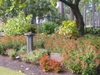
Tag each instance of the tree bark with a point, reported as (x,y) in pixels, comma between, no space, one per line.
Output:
(79,20)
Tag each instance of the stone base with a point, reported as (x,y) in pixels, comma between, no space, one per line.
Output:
(56,56)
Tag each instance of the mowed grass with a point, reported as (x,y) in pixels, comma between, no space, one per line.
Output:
(7,71)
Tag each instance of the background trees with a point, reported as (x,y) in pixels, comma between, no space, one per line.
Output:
(74,5)
(40,8)
(43,8)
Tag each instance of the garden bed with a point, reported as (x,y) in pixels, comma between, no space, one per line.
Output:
(27,68)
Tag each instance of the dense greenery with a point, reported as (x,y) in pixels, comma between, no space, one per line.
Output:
(68,28)
(41,8)
(19,25)
(94,39)
(34,57)
(11,42)
(80,55)
(47,27)
(78,58)
(92,30)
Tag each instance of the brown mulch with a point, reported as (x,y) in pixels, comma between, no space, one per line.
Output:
(32,69)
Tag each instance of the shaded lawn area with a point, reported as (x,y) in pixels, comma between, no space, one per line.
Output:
(7,71)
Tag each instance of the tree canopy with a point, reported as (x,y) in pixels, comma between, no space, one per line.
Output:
(35,7)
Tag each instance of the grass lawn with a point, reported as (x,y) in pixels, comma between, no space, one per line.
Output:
(6,71)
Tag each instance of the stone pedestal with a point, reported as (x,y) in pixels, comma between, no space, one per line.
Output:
(29,41)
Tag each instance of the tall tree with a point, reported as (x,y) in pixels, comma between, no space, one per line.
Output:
(93,14)
(74,5)
(85,13)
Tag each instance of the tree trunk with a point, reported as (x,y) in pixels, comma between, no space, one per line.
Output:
(99,19)
(61,10)
(33,21)
(71,15)
(85,14)
(79,20)
(93,14)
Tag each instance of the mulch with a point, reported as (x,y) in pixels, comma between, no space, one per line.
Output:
(27,68)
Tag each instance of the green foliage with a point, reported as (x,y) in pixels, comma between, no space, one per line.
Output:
(19,25)
(94,39)
(1,48)
(39,41)
(12,42)
(22,50)
(92,30)
(9,45)
(17,45)
(79,53)
(1,29)
(79,58)
(12,53)
(47,27)
(34,57)
(68,28)
(9,8)
(55,42)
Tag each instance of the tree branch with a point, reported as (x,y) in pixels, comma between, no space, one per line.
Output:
(66,2)
(77,2)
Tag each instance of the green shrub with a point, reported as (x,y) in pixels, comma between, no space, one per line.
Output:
(19,25)
(1,48)
(31,28)
(12,53)
(39,41)
(12,42)
(79,58)
(1,26)
(9,45)
(47,27)
(92,30)
(94,39)
(1,29)
(68,28)
(34,57)
(55,42)
(22,50)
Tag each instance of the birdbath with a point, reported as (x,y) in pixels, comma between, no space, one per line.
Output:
(29,41)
